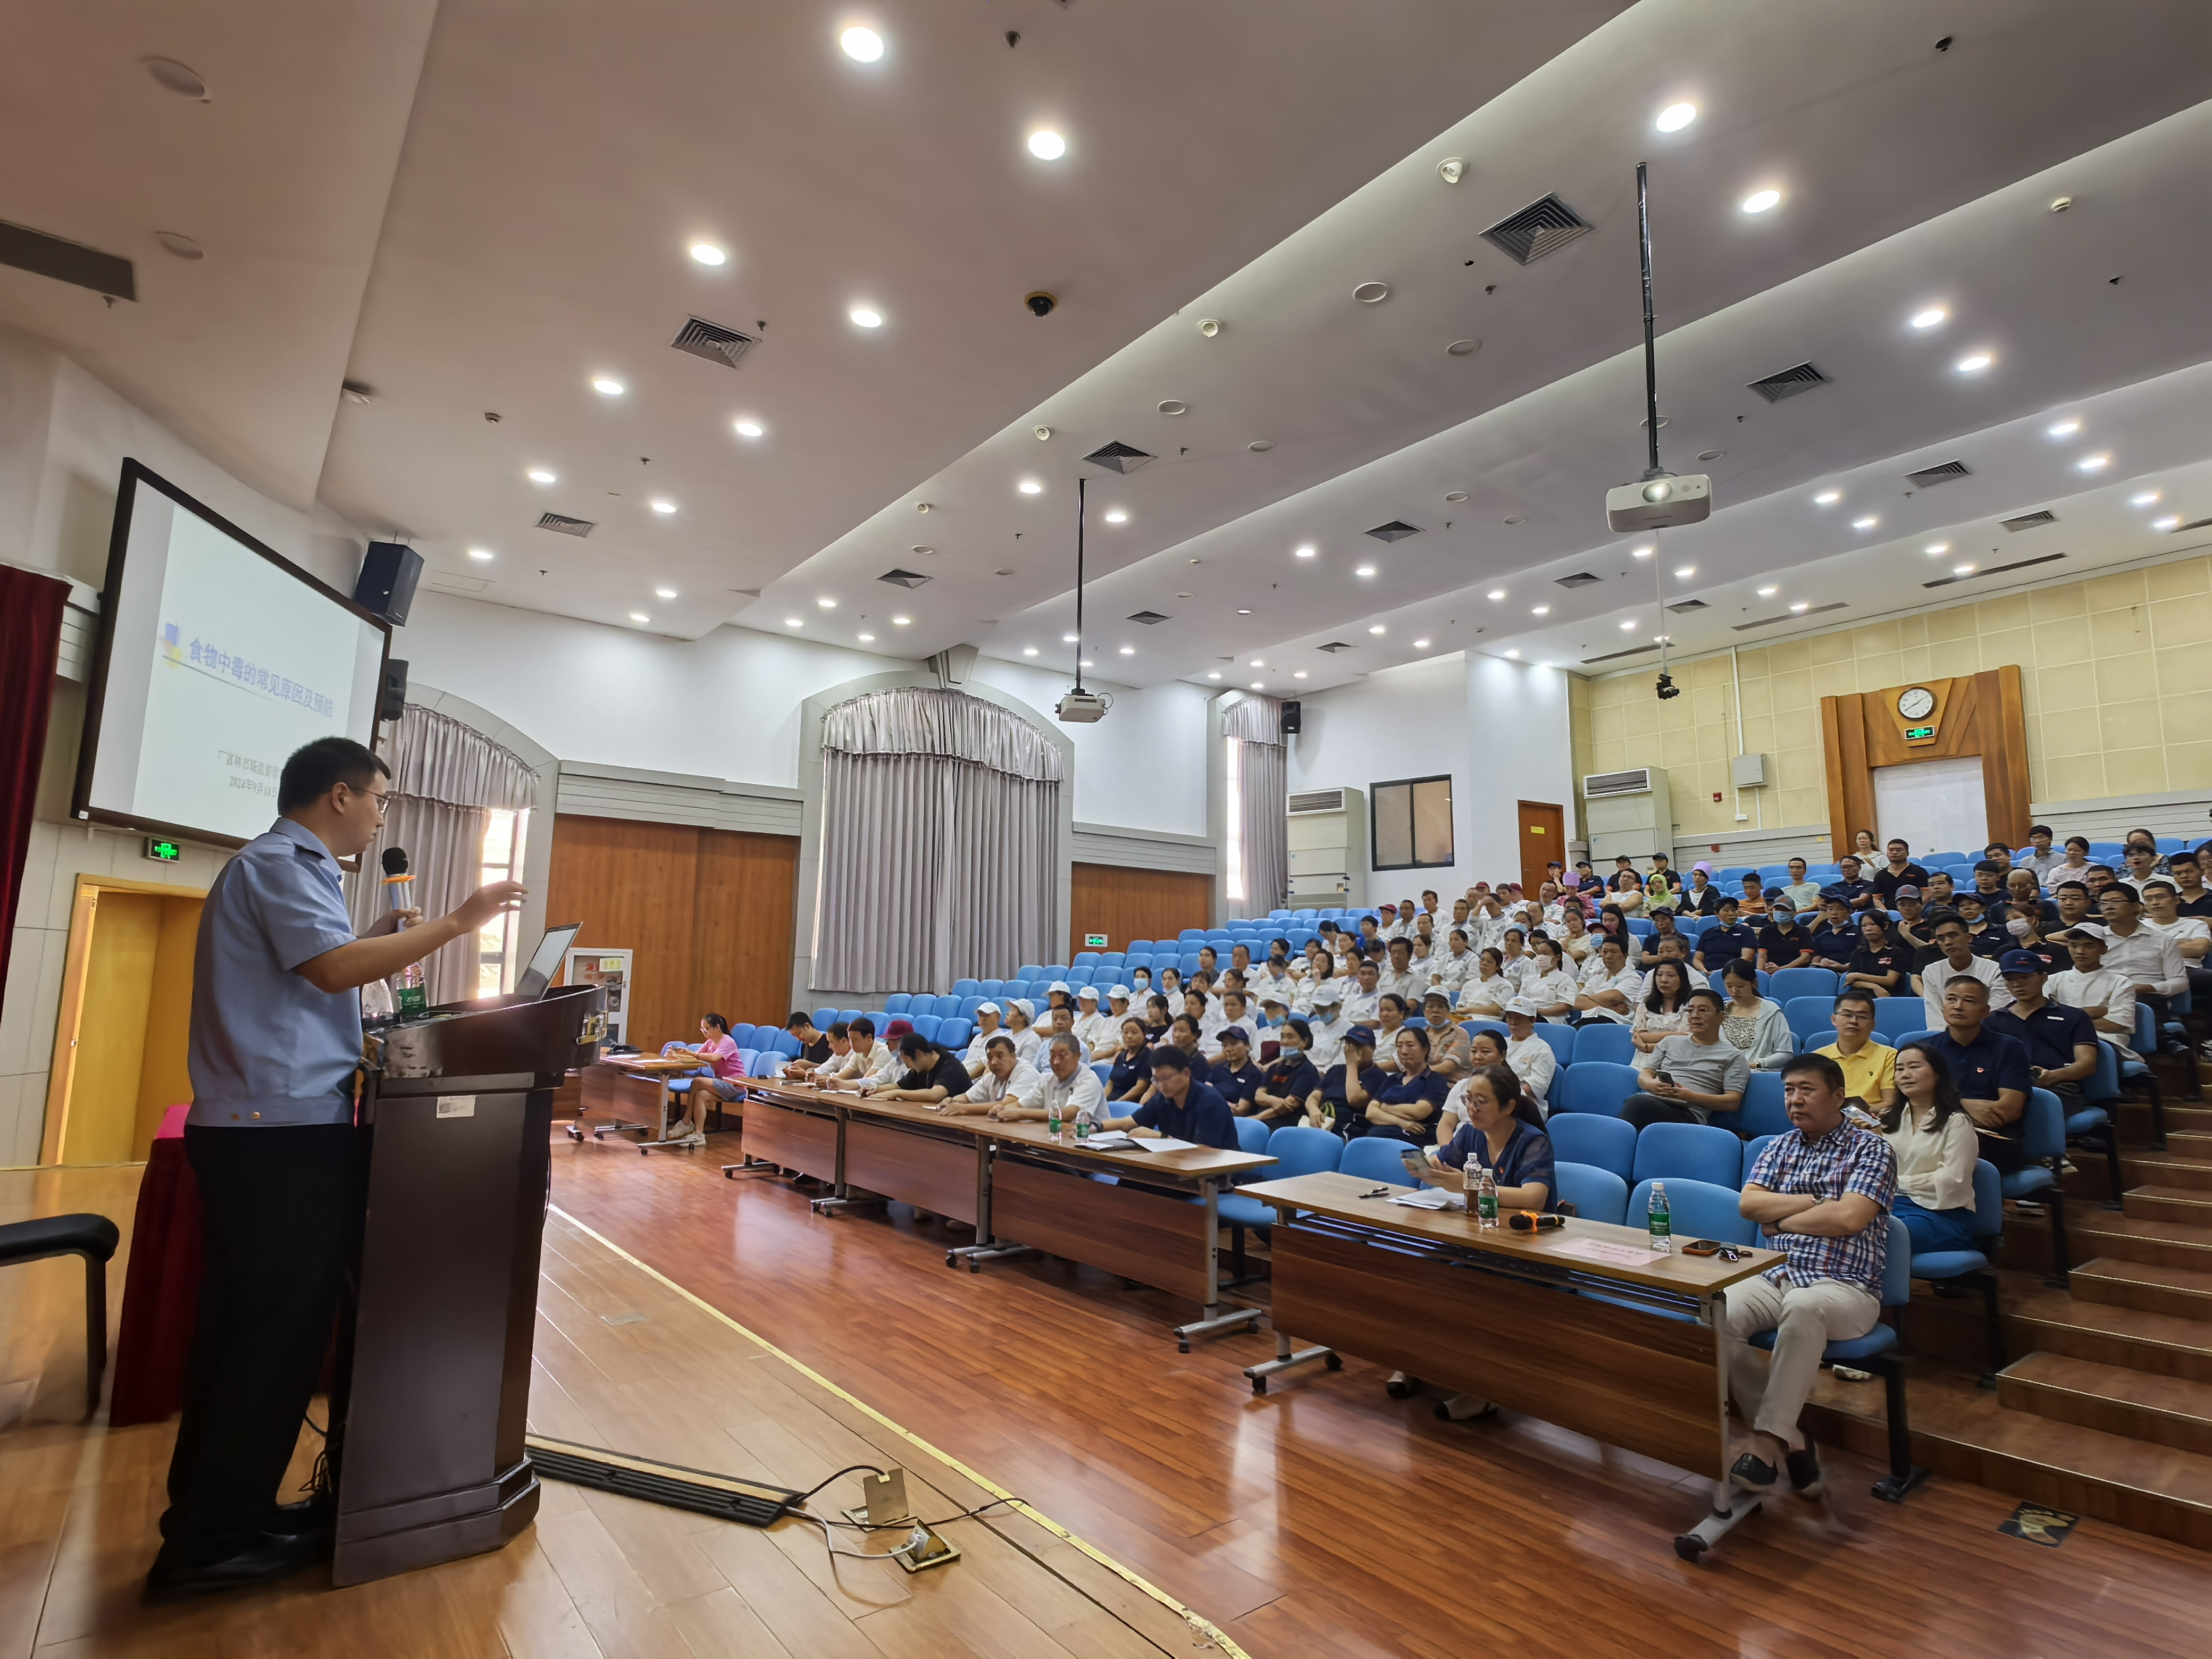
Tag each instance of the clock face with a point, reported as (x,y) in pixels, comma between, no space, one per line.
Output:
(1917,703)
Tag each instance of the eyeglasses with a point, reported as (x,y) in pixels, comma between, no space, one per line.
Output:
(382,798)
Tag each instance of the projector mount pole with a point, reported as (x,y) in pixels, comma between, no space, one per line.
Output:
(1650,392)
(1079,483)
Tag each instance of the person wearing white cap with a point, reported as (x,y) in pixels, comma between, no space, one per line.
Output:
(1059,994)
(1328,1023)
(1021,1015)
(1532,1059)
(987,1027)
(1091,1028)
(1117,998)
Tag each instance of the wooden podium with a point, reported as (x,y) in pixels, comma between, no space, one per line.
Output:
(431,1464)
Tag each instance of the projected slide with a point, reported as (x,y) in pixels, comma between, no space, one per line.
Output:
(221,662)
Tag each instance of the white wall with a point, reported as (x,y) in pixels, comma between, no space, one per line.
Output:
(1499,729)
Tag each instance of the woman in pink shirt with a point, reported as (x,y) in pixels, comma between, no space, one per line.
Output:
(723,1065)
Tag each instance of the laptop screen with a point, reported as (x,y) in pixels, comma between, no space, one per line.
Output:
(545,961)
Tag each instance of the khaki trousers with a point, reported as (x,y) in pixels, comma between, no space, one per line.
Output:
(1769,1390)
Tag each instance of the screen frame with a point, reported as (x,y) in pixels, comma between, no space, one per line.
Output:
(135,472)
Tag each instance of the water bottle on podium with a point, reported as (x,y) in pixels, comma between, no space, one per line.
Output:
(1661,1219)
(1485,1201)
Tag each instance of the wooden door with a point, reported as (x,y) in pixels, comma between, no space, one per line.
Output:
(1543,841)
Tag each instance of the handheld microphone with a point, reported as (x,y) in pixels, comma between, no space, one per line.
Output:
(396,875)
(1524,1222)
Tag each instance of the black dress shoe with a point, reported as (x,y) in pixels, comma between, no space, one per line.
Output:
(269,1557)
(1804,1468)
(315,1514)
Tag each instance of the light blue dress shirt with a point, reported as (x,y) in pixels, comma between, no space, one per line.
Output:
(267,1047)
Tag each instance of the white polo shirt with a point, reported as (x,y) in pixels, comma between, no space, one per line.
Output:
(1940,973)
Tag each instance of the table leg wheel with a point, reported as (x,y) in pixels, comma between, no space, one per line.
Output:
(1182,1347)
(1691,1547)
(1334,1361)
(1402,1388)
(1258,1385)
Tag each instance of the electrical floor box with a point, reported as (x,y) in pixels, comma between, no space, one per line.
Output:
(1328,844)
(1630,811)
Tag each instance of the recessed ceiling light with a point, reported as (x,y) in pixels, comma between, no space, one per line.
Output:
(1685,571)
(480,553)
(1629,627)
(1936,549)
(1496,592)
(1676,117)
(861,45)
(1030,487)
(1214,677)
(1932,318)
(1513,652)
(638,616)
(2144,499)
(1364,570)
(608,388)
(864,317)
(901,622)
(664,508)
(1768,593)
(1128,650)
(1244,613)
(2172,521)
(1300,675)
(827,603)
(1828,498)
(1086,662)
(1255,663)
(1068,639)
(1305,552)
(540,475)
(1801,604)
(1641,552)
(1117,516)
(867,639)
(1974,364)
(1541,610)
(1046,145)
(1760,200)
(708,254)
(1028,651)
(793,622)
(749,428)
(1259,685)
(2092,462)
(1420,645)
(1378,629)
(1867,523)
(666,593)
(2065,428)
(1962,570)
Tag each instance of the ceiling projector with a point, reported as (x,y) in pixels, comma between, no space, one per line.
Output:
(1656,503)
(1082,708)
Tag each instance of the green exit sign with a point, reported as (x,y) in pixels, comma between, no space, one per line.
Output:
(1094,941)
(163,852)
(1915,733)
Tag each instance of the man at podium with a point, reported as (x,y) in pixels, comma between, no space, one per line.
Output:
(275,1043)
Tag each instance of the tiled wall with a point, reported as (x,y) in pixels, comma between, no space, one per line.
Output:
(2116,674)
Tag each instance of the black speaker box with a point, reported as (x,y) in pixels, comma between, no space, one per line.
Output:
(394,700)
(389,571)
(1293,717)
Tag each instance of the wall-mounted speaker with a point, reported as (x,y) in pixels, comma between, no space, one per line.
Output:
(393,702)
(389,571)
(1293,717)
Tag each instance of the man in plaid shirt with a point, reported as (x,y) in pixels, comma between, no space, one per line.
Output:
(1821,1196)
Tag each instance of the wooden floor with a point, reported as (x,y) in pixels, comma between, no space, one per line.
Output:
(595,1574)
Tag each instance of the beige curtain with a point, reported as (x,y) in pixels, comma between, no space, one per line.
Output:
(447,779)
(940,842)
(1254,727)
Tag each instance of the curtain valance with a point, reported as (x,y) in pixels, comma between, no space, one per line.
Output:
(1254,719)
(952,725)
(434,758)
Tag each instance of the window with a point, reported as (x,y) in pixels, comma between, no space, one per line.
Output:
(1413,823)
(502,861)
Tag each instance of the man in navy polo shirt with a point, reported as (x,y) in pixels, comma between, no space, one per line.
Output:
(1726,939)
(2061,1042)
(1837,939)
(1180,1108)
(1855,894)
(1990,1069)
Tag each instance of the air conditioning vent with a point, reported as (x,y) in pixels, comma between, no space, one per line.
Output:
(1792,616)
(902,578)
(565,526)
(1615,656)
(1580,578)
(717,345)
(1603,785)
(1993,570)
(1122,458)
(1317,800)
(1335,646)
(1543,227)
(1683,607)
(1942,473)
(1150,618)
(1789,383)
(2031,520)
(1397,530)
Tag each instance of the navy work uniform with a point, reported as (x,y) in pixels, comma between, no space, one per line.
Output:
(280,1165)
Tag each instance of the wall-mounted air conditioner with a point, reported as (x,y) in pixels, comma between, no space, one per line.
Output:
(1630,811)
(1328,841)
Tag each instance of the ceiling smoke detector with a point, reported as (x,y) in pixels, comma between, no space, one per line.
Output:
(1452,169)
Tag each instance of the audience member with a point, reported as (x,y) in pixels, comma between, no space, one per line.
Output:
(1532,1060)
(1955,960)
(2192,935)
(1899,871)
(1857,893)
(1798,893)
(1662,1011)
(720,1076)
(1837,939)
(1021,1017)
(1289,1081)
(1092,1027)
(1131,1076)
(2061,1042)
(2149,961)
(1502,1132)
(2025,925)
(1692,1076)
(1609,989)
(2074,910)
(1990,1070)
(2073,865)
(1728,939)
(1547,986)
(1234,1074)
(1869,1066)
(1783,943)
(1328,1026)
(1005,1076)
(2101,993)
(1864,850)
(1910,927)
(1407,1109)
(813,1047)
(1447,1050)
(930,1076)
(977,1056)
(1348,1086)
(1399,978)
(2189,869)
(2040,860)
(1157,1017)
(1821,1195)
(1360,1003)
(1882,965)
(866,1060)
(1935,1146)
(1066,1086)
(1753,1020)
(1700,898)
(1182,1106)
(1390,1014)
(1985,933)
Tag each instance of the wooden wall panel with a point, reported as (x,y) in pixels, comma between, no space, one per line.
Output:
(1980,714)
(708,912)
(1124,905)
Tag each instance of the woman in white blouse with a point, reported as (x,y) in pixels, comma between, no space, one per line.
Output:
(1661,1014)
(1935,1146)
(1753,1022)
(1548,985)
(1487,991)
(1575,941)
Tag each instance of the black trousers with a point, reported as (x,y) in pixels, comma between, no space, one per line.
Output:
(282,1211)
(1643,1110)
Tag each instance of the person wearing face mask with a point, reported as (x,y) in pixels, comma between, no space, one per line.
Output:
(2023,922)
(1288,1081)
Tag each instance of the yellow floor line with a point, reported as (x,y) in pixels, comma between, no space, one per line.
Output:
(1197,1622)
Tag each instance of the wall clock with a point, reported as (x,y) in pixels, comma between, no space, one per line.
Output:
(1917,702)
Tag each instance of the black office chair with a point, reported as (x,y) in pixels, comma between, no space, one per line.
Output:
(94,1237)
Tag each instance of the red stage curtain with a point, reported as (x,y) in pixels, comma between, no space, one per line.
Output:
(30,637)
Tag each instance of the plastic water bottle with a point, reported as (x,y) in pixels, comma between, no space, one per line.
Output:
(1082,1125)
(409,990)
(1485,1201)
(1661,1220)
(1052,1117)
